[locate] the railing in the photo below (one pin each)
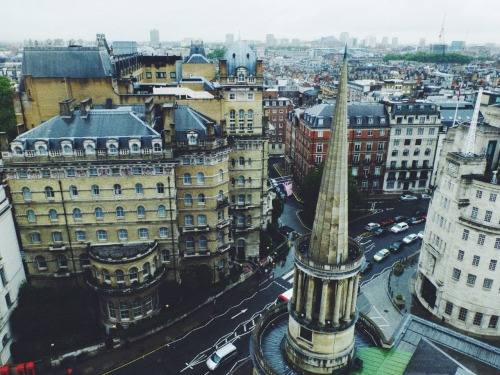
(480, 224)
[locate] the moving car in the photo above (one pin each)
(410, 238)
(371, 226)
(408, 198)
(416, 220)
(397, 246)
(381, 255)
(366, 266)
(386, 222)
(400, 218)
(379, 232)
(425, 196)
(400, 227)
(221, 356)
(420, 213)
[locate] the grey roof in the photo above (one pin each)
(124, 47)
(71, 62)
(187, 119)
(197, 59)
(366, 111)
(239, 55)
(463, 116)
(313, 116)
(100, 125)
(414, 109)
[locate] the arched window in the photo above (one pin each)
(200, 178)
(146, 269)
(241, 161)
(135, 147)
(137, 308)
(232, 114)
(77, 214)
(249, 161)
(240, 247)
(202, 220)
(124, 311)
(102, 235)
(18, 150)
(201, 198)
(163, 232)
(189, 243)
(112, 149)
(53, 215)
(188, 200)
(42, 150)
(202, 242)
(106, 276)
(67, 150)
(162, 211)
(31, 215)
(241, 180)
(117, 189)
(220, 195)
(160, 188)
(120, 213)
(139, 190)
(157, 147)
(241, 115)
(95, 190)
(134, 274)
(187, 179)
(49, 192)
(141, 211)
(90, 149)
(41, 263)
(62, 261)
(220, 175)
(241, 77)
(26, 193)
(250, 114)
(73, 191)
(120, 277)
(122, 234)
(188, 220)
(99, 214)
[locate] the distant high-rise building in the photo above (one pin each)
(395, 41)
(385, 41)
(421, 42)
(295, 42)
(439, 48)
(457, 45)
(154, 38)
(371, 41)
(344, 37)
(354, 42)
(270, 41)
(229, 39)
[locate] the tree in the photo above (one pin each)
(7, 113)
(217, 53)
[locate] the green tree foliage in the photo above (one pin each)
(7, 114)
(437, 58)
(217, 53)
(46, 316)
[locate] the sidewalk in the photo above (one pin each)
(104, 362)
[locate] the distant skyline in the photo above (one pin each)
(474, 21)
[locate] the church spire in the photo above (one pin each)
(329, 236)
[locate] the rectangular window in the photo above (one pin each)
(370, 132)
(478, 319)
(57, 237)
(475, 260)
(493, 321)
(397, 131)
(93, 172)
(305, 334)
(148, 75)
(420, 131)
(493, 265)
(449, 308)
(465, 235)
(409, 131)
(493, 197)
(480, 239)
(460, 255)
(80, 235)
(320, 133)
(3, 279)
(358, 133)
(431, 131)
(497, 243)
(471, 279)
(172, 75)
(161, 74)
(474, 212)
(487, 216)
(479, 194)
(456, 274)
(8, 301)
(462, 314)
(319, 159)
(396, 142)
(319, 147)
(369, 146)
(487, 283)
(382, 132)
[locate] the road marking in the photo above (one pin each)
(364, 243)
(379, 317)
(286, 276)
(241, 312)
(389, 208)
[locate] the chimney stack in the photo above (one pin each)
(64, 108)
(85, 106)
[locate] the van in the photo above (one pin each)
(221, 356)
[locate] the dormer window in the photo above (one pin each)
(113, 149)
(192, 137)
(241, 74)
(157, 147)
(67, 150)
(18, 150)
(42, 150)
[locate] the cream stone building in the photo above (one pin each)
(458, 279)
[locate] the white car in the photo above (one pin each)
(410, 238)
(408, 198)
(381, 255)
(421, 234)
(425, 196)
(371, 226)
(399, 227)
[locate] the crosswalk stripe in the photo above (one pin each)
(286, 276)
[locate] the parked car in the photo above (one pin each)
(408, 198)
(421, 234)
(420, 213)
(425, 196)
(379, 232)
(222, 356)
(399, 219)
(400, 227)
(366, 266)
(410, 238)
(381, 255)
(386, 222)
(416, 220)
(371, 226)
(396, 247)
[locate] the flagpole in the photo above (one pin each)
(456, 109)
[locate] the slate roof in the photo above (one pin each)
(414, 109)
(71, 62)
(365, 111)
(463, 116)
(187, 119)
(121, 124)
(313, 116)
(239, 55)
(197, 59)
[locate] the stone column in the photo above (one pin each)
(295, 287)
(298, 292)
(355, 295)
(309, 297)
(338, 301)
(324, 303)
(347, 314)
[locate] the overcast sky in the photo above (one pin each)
(475, 21)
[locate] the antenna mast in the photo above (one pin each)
(471, 135)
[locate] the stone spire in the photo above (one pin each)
(329, 236)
